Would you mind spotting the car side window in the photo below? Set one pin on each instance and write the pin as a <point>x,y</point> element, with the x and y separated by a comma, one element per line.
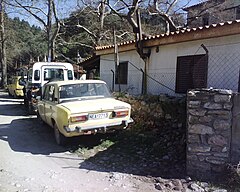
<point>69,74</point>
<point>45,94</point>
<point>51,93</point>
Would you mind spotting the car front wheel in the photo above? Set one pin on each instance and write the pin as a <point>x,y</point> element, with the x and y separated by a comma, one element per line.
<point>59,137</point>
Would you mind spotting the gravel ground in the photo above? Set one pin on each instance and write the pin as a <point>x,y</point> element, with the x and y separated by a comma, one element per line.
<point>31,161</point>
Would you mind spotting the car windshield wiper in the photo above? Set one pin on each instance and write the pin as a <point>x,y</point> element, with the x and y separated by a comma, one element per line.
<point>92,97</point>
<point>69,100</point>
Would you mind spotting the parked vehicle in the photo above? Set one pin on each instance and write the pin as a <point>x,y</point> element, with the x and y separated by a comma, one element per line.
<point>40,74</point>
<point>80,107</point>
<point>14,87</point>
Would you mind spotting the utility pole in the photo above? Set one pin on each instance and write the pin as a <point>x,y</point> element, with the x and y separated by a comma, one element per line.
<point>3,46</point>
<point>116,58</point>
<point>139,46</point>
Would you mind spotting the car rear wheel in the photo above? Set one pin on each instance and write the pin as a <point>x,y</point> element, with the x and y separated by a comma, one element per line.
<point>59,137</point>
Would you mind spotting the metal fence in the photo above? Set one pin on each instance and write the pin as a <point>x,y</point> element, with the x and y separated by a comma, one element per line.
<point>223,66</point>
<point>222,73</point>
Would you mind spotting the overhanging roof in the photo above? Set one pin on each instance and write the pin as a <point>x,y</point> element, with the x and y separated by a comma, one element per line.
<point>183,35</point>
<point>90,62</point>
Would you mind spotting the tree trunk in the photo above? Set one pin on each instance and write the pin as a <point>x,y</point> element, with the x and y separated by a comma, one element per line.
<point>49,30</point>
<point>3,47</point>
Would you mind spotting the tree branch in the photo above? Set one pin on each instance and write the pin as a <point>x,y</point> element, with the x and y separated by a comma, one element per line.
<point>86,30</point>
<point>33,14</point>
<point>57,22</point>
<point>75,43</point>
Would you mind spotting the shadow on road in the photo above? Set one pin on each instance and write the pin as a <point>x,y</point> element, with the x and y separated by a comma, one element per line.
<point>27,135</point>
<point>130,154</point>
<point>15,109</point>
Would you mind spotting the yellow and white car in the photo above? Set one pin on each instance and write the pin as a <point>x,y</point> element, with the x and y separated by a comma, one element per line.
<point>80,107</point>
<point>14,88</point>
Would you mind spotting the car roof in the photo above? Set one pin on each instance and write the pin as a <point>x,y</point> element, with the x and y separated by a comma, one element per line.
<point>39,64</point>
<point>60,83</point>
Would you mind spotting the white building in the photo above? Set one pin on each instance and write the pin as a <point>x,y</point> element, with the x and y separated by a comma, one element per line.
<point>193,58</point>
<point>212,11</point>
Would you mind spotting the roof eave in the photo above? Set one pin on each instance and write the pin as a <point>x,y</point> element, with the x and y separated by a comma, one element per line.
<point>207,32</point>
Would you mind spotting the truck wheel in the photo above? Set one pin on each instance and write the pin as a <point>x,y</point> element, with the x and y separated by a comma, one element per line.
<point>59,137</point>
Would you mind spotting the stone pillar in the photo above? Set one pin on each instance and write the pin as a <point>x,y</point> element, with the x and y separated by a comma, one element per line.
<point>209,120</point>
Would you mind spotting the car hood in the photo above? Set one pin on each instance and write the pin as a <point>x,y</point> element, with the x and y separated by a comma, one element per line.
<point>94,105</point>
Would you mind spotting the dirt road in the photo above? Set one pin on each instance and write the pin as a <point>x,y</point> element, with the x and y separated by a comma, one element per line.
<point>31,161</point>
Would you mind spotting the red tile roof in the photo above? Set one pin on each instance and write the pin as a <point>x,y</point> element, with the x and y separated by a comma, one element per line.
<point>181,31</point>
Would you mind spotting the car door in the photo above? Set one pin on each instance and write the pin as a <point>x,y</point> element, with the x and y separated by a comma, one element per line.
<point>49,104</point>
<point>41,103</point>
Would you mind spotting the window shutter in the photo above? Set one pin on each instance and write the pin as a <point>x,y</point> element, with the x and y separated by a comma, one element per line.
<point>184,74</point>
<point>191,72</point>
<point>200,71</point>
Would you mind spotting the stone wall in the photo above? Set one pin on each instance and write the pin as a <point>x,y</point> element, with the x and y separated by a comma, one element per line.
<point>209,117</point>
<point>235,144</point>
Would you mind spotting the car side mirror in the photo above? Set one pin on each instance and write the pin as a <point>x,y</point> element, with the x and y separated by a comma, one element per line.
<point>55,100</point>
<point>38,98</point>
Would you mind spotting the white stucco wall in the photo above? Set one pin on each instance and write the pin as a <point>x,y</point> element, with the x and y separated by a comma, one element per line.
<point>134,85</point>
<point>223,65</point>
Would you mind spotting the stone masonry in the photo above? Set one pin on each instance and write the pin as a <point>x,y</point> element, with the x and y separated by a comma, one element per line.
<point>209,117</point>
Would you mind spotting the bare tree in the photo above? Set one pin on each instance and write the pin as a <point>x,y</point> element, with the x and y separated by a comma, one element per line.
<point>3,45</point>
<point>130,10</point>
<point>47,16</point>
<point>99,9</point>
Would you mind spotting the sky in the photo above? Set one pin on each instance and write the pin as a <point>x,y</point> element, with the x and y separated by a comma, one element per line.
<point>65,7</point>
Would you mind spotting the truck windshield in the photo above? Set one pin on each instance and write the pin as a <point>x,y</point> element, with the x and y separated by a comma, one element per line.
<point>84,90</point>
<point>52,73</point>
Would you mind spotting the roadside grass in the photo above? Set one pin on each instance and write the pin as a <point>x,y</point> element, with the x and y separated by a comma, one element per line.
<point>126,142</point>
<point>87,152</point>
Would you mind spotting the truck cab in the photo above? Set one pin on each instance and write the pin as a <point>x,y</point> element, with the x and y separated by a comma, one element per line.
<point>40,74</point>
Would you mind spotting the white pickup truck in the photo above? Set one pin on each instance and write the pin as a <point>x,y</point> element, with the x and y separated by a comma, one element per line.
<point>40,74</point>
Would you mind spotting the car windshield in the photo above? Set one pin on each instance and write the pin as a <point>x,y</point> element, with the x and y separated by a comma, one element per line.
<point>53,73</point>
<point>83,91</point>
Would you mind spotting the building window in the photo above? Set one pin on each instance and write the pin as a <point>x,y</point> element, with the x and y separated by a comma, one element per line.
<point>121,76</point>
<point>205,19</point>
<point>238,13</point>
<point>191,72</point>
